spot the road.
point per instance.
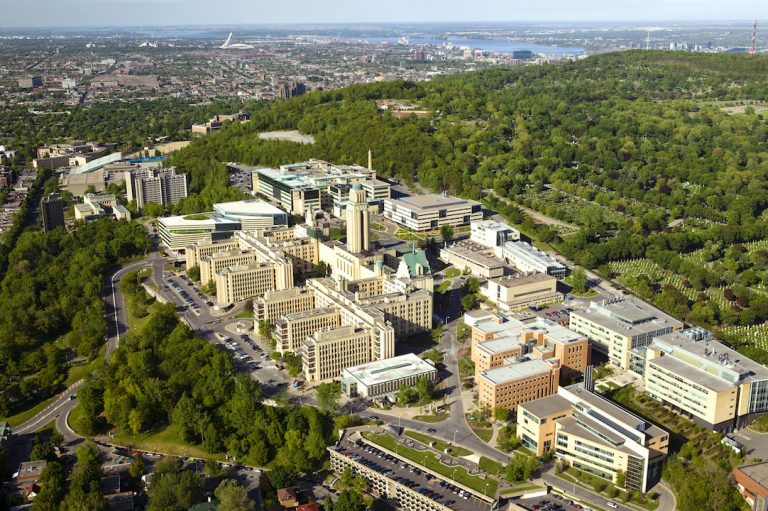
(666, 498)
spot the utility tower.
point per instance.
(753, 49)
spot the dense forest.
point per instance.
(51, 304)
(652, 156)
(164, 376)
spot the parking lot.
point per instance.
(412, 476)
(553, 502)
(193, 298)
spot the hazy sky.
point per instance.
(62, 13)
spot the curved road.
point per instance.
(117, 324)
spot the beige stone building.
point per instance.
(705, 380)
(595, 436)
(292, 329)
(477, 259)
(518, 291)
(275, 304)
(240, 282)
(616, 327)
(326, 353)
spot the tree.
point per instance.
(446, 231)
(233, 497)
(348, 501)
(42, 448)
(579, 280)
(54, 488)
(621, 479)
(174, 489)
(264, 329)
(281, 476)
(425, 389)
(138, 467)
(194, 273)
(501, 414)
(328, 395)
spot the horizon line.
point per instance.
(374, 23)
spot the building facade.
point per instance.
(616, 327)
(529, 259)
(292, 329)
(518, 291)
(275, 304)
(492, 234)
(157, 186)
(752, 482)
(595, 436)
(477, 259)
(385, 377)
(430, 212)
(52, 211)
(326, 353)
(705, 380)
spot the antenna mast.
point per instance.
(648, 41)
(753, 49)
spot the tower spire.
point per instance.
(370, 160)
(753, 49)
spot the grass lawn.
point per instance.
(378, 227)
(485, 434)
(23, 416)
(452, 272)
(462, 332)
(337, 233)
(163, 442)
(589, 482)
(245, 314)
(490, 466)
(529, 488)
(74, 418)
(440, 417)
(442, 288)
(429, 460)
(440, 445)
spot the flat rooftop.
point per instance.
(395, 368)
(295, 316)
(711, 357)
(617, 413)
(516, 371)
(546, 406)
(522, 279)
(432, 201)
(527, 252)
(209, 219)
(630, 317)
(493, 225)
(245, 208)
(758, 472)
(692, 373)
(474, 253)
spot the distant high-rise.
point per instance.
(358, 221)
(158, 186)
(52, 212)
(289, 90)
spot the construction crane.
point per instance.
(753, 49)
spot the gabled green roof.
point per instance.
(414, 260)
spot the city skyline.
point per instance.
(90, 13)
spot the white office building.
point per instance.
(528, 259)
(431, 211)
(385, 377)
(492, 234)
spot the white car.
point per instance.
(612, 505)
